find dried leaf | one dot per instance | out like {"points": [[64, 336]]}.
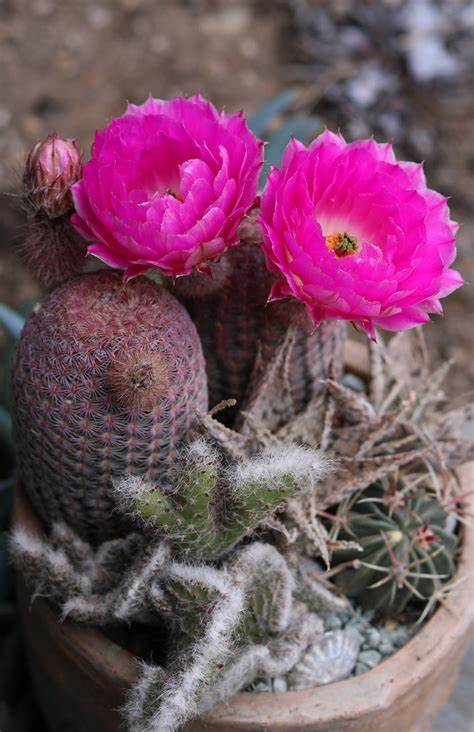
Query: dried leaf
{"points": [[271, 404], [351, 405]]}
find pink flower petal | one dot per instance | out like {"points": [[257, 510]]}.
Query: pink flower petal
{"points": [[405, 238], [167, 185]]}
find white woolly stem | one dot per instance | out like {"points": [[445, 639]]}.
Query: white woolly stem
{"points": [[179, 697], [304, 465], [129, 600], [265, 661], [264, 576], [47, 568]]}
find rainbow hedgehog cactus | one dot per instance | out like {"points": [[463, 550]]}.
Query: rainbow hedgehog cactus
{"points": [[164, 513]]}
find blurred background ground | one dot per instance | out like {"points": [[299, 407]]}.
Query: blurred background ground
{"points": [[398, 69]]}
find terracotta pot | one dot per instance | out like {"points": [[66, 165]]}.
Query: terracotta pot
{"points": [[81, 677]]}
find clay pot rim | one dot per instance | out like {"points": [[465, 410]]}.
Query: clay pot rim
{"points": [[373, 691]]}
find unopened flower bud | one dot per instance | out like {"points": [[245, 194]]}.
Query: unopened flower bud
{"points": [[52, 167], [53, 250]]}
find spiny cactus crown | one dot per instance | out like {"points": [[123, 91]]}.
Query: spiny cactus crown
{"points": [[406, 548]]}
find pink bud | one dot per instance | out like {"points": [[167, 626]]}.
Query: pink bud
{"points": [[52, 167]]}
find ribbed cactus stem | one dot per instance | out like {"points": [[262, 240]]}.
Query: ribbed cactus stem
{"points": [[108, 380]]}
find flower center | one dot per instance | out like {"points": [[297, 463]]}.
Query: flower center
{"points": [[342, 244]]}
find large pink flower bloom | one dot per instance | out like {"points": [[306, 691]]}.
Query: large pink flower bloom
{"points": [[167, 186], [357, 235]]}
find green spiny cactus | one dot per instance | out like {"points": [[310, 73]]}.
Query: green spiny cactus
{"points": [[406, 551], [107, 381], [213, 506]]}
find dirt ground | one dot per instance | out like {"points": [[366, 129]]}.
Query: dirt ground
{"points": [[69, 66]]}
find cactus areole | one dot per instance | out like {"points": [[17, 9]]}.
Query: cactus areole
{"points": [[107, 379]]}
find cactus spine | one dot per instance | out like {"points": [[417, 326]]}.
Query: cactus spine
{"points": [[213, 506]]}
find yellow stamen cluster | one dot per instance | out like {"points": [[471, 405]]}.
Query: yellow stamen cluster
{"points": [[342, 244]]}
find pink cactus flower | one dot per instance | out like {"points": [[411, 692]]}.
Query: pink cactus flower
{"points": [[167, 186], [357, 235]]}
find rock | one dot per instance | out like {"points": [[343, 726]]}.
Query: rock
{"points": [[386, 648], [332, 658], [280, 684], [332, 622], [373, 637], [353, 382], [261, 686], [370, 658], [400, 636], [356, 633], [361, 668]]}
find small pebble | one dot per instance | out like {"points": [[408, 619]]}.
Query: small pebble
{"points": [[361, 668], [386, 648], [353, 382], [262, 686], [373, 637], [280, 684], [355, 623], [400, 636], [357, 635], [331, 658], [370, 658], [332, 622]]}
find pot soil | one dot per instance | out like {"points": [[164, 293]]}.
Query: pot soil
{"points": [[81, 677]]}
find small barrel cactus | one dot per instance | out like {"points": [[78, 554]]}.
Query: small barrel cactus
{"points": [[406, 554], [107, 380]]}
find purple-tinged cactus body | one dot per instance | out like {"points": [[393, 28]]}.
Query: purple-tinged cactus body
{"points": [[236, 325], [107, 380]]}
